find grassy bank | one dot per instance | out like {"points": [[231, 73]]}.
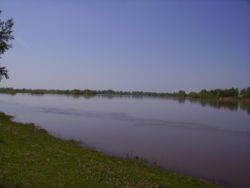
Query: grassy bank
{"points": [[29, 157]]}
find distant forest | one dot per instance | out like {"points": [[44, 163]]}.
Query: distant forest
{"points": [[215, 93]]}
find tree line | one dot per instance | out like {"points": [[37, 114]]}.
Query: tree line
{"points": [[215, 93]]}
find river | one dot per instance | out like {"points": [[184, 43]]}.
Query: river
{"points": [[206, 139]]}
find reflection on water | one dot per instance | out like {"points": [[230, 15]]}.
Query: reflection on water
{"points": [[219, 104], [215, 103], [202, 138], [245, 107]]}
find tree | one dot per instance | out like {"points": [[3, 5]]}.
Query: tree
{"points": [[5, 37], [245, 93], [181, 94]]}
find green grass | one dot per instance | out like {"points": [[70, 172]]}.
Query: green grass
{"points": [[29, 157]]}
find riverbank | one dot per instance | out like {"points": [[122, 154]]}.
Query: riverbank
{"points": [[30, 157], [230, 95], [233, 99]]}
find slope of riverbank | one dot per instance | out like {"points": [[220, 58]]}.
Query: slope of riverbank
{"points": [[30, 157]]}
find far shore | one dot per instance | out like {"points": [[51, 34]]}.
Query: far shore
{"points": [[227, 95]]}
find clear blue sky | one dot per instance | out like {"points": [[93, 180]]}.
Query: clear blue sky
{"points": [[128, 45]]}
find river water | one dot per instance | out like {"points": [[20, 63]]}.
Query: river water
{"points": [[206, 139]]}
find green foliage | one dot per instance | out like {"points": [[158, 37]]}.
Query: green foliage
{"points": [[181, 94], [215, 93], [5, 37], [29, 157], [245, 93], [86, 92]]}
